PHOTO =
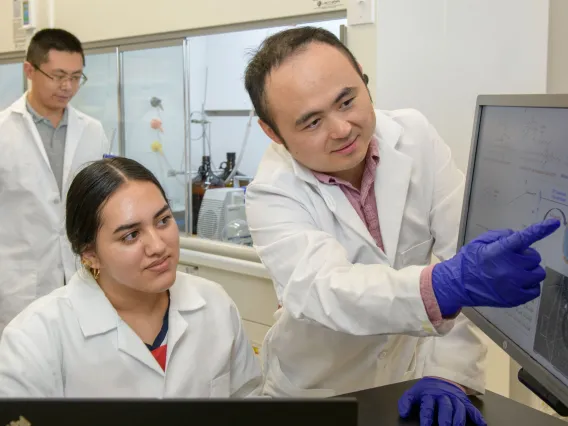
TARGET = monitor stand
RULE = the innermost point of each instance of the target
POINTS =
(539, 390)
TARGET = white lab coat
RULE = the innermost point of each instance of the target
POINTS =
(34, 250)
(353, 316)
(72, 343)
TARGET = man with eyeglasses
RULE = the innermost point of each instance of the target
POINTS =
(43, 143)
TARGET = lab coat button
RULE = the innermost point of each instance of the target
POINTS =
(56, 201)
(383, 355)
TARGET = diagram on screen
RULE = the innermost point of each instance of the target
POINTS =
(551, 339)
(555, 248)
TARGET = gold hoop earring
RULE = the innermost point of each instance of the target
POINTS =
(96, 273)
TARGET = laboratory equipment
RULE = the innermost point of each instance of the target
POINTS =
(219, 208)
(237, 232)
(518, 175)
(228, 167)
(204, 180)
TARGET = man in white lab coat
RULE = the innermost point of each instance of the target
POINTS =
(345, 210)
(43, 141)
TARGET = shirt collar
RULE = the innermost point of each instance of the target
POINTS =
(371, 161)
(39, 118)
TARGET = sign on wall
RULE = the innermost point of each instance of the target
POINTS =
(18, 32)
(328, 4)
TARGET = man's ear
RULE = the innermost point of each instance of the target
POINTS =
(28, 70)
(365, 76)
(270, 132)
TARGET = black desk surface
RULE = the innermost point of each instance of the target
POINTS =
(378, 407)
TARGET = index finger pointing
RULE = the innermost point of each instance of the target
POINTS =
(521, 240)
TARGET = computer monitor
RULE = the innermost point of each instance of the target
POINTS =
(518, 175)
(152, 412)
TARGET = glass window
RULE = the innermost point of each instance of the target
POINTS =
(99, 96)
(154, 117)
(11, 83)
(220, 110)
(149, 125)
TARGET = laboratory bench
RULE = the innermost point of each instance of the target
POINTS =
(378, 407)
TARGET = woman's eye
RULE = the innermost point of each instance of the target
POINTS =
(130, 237)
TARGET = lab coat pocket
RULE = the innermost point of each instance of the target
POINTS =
(221, 386)
(419, 352)
(419, 254)
(409, 374)
(279, 386)
(18, 165)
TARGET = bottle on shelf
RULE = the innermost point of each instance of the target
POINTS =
(204, 180)
(228, 167)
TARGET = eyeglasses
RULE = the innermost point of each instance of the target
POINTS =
(75, 80)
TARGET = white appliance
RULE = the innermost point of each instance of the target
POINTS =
(220, 207)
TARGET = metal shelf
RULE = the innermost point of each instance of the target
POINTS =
(228, 112)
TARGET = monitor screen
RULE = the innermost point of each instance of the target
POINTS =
(518, 175)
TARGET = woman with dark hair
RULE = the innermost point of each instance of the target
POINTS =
(127, 324)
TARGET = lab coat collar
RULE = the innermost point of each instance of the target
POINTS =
(392, 180)
(96, 315)
(184, 296)
(75, 129)
(387, 131)
(75, 126)
(94, 312)
(20, 107)
(301, 171)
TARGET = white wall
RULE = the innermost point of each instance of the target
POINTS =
(169, 15)
(110, 19)
(557, 52)
(6, 39)
(437, 56)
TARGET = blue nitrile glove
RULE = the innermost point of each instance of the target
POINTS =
(434, 395)
(496, 269)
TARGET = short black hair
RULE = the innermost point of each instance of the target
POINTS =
(52, 39)
(89, 192)
(274, 51)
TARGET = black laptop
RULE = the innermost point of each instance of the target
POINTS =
(170, 412)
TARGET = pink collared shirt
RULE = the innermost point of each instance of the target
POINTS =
(365, 204)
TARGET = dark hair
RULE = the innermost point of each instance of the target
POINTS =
(274, 51)
(90, 191)
(52, 39)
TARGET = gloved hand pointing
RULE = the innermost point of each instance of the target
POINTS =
(497, 269)
(435, 396)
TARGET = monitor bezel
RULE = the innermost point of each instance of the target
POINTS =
(527, 362)
(150, 411)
